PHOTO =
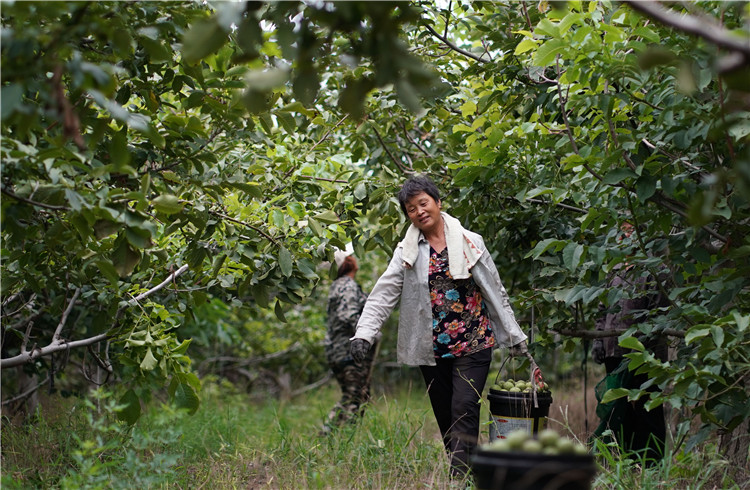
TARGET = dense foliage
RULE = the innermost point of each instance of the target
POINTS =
(171, 166)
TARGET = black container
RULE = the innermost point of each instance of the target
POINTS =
(512, 411)
(495, 470)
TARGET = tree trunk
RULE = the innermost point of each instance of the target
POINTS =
(734, 446)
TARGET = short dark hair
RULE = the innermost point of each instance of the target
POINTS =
(414, 185)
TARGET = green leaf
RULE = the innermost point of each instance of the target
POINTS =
(467, 176)
(287, 122)
(306, 86)
(131, 408)
(167, 204)
(315, 227)
(186, 397)
(614, 394)
(547, 52)
(182, 348)
(260, 295)
(648, 34)
(645, 187)
(138, 237)
(149, 362)
(125, 258)
(524, 46)
(353, 97)
(717, 333)
(266, 80)
(408, 96)
(279, 311)
(104, 228)
(203, 38)
(572, 254)
(327, 217)
(632, 343)
(468, 108)
(285, 261)
(618, 175)
(543, 246)
(360, 191)
(12, 97)
(108, 271)
(545, 27)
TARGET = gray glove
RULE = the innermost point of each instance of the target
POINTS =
(359, 349)
(597, 351)
(519, 350)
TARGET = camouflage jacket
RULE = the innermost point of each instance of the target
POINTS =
(345, 302)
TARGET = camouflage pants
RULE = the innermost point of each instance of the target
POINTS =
(354, 380)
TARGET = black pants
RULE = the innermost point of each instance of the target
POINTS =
(455, 387)
(642, 431)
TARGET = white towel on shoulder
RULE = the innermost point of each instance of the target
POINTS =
(462, 253)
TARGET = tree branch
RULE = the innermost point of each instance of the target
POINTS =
(563, 100)
(33, 203)
(454, 47)
(66, 313)
(59, 344)
(323, 179)
(413, 141)
(700, 27)
(151, 291)
(248, 225)
(601, 334)
(26, 393)
(400, 165)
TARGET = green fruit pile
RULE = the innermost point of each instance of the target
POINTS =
(518, 386)
(547, 442)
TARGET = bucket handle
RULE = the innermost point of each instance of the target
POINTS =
(535, 376)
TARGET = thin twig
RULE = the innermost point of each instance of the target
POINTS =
(455, 48)
(26, 393)
(66, 313)
(413, 140)
(33, 203)
(248, 225)
(563, 110)
(400, 165)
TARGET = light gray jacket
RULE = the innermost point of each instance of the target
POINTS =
(415, 345)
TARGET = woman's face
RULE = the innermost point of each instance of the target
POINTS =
(424, 212)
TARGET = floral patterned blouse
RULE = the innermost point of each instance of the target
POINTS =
(460, 323)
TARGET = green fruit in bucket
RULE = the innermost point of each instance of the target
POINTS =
(500, 445)
(580, 450)
(515, 389)
(508, 385)
(548, 438)
(531, 446)
(566, 446)
(516, 439)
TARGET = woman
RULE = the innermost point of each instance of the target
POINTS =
(345, 302)
(454, 311)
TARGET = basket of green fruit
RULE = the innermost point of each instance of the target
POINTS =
(525, 462)
(515, 406)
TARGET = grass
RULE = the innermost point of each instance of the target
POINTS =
(233, 441)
